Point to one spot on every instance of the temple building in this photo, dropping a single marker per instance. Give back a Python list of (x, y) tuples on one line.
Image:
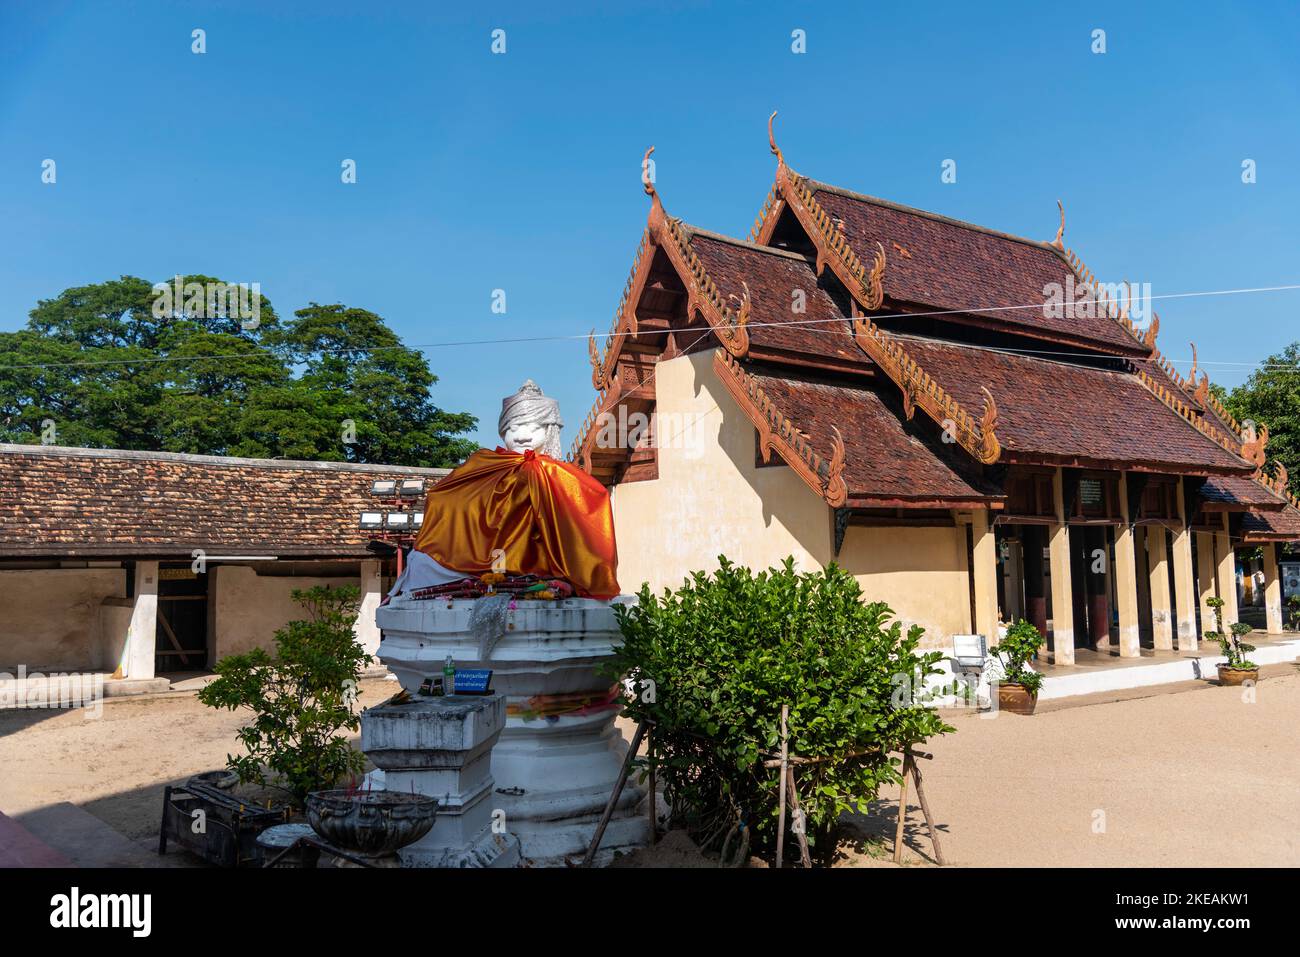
[(897, 391), (146, 565)]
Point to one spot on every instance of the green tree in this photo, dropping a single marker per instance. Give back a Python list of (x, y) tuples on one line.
[(1271, 396), (113, 365)]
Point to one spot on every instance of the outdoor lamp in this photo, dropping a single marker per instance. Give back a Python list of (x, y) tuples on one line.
[(385, 488), (399, 520), (372, 520), (419, 518), (970, 652), (412, 488)]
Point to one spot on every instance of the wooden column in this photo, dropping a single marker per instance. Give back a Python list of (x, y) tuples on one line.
[(1096, 559), (1033, 542), (1162, 611), (1227, 562), (1126, 593), (1184, 580), (1272, 590), (372, 593), (985, 575), (1062, 592), (1205, 581)]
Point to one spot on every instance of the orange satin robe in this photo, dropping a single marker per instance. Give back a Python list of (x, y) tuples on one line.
[(549, 518)]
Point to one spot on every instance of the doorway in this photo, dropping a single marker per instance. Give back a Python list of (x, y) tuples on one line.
[(181, 638)]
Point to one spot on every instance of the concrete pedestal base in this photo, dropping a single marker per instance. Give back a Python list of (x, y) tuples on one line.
[(553, 771), (442, 747)]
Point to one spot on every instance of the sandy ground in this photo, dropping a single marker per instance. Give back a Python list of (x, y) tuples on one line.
[(1193, 775)]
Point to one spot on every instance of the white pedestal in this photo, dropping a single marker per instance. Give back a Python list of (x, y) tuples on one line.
[(553, 774), (442, 747)]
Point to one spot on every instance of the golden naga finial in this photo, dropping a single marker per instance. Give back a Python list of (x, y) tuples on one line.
[(875, 286), (597, 366), (1202, 394), (1153, 330), (1059, 241), (735, 337), (1253, 444), (1191, 376), (990, 448), (771, 140), (647, 181), (1282, 478)]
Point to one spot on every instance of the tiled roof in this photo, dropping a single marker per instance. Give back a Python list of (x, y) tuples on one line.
[(944, 264), (1051, 410), (1283, 526), (1242, 493), (884, 460), (58, 501), (774, 277)]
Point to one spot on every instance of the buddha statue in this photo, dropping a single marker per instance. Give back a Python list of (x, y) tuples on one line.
[(518, 510)]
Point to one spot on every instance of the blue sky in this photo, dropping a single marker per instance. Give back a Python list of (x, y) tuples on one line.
[(521, 171)]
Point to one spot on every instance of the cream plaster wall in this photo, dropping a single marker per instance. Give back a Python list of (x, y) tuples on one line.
[(245, 609), (711, 499), (50, 618)]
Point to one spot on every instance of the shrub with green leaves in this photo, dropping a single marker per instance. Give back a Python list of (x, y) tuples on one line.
[(713, 662), (1230, 643), (300, 699), (1021, 642)]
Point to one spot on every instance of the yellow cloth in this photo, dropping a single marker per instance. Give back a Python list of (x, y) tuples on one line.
[(549, 519)]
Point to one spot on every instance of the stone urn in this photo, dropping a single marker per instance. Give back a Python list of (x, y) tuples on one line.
[(371, 824), (559, 754)]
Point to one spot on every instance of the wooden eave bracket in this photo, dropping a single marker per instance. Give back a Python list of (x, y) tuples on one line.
[(778, 433)]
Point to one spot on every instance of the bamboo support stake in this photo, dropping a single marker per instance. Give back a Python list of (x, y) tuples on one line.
[(614, 796), (654, 818), (925, 809), (802, 833), (902, 809), (785, 770)]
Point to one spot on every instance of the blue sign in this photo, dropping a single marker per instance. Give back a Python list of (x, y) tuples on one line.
[(473, 681)]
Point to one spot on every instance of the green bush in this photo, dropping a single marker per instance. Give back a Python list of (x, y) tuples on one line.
[(713, 662), (300, 698), (1016, 648)]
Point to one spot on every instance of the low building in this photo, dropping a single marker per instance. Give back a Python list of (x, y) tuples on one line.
[(139, 564), (909, 396)]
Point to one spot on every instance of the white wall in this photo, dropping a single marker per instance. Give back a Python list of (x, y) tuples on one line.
[(50, 618)]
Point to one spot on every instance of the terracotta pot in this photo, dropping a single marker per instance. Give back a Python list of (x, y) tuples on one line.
[(1014, 698), (1232, 677)]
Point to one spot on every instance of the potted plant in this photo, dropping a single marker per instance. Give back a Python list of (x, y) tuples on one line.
[(1237, 669), (1018, 688), (1293, 611)]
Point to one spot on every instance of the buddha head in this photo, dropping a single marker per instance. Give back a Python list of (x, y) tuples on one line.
[(530, 421)]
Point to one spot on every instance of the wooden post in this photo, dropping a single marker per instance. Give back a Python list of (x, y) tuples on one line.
[(654, 818), (614, 796), (802, 833), (785, 767), (1227, 559), (902, 810), (985, 575), (1205, 580), (925, 809)]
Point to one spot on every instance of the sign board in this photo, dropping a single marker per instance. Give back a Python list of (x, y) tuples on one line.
[(473, 681)]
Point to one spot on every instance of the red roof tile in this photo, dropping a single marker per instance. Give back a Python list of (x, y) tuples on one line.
[(945, 264), (74, 502), (1243, 493), (1271, 526), (1060, 411), (884, 459), (773, 277)]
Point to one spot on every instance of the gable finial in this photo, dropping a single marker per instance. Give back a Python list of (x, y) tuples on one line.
[(1059, 241), (771, 140), (1191, 376), (647, 178)]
